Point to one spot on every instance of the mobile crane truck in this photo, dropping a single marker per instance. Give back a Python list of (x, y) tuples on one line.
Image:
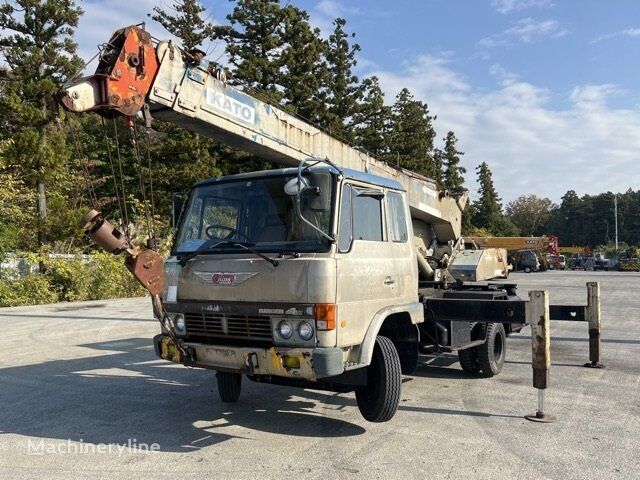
[(332, 273)]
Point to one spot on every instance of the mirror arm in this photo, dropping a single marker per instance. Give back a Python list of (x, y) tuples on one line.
[(299, 194)]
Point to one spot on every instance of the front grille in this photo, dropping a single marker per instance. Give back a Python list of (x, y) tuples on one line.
[(228, 326)]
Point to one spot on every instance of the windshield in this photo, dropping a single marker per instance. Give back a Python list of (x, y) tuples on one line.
[(255, 212)]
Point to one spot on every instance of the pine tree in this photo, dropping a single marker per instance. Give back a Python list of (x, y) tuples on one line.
[(276, 52), (38, 49), (372, 119), (183, 157), (302, 74), (343, 90), (187, 23), (453, 172), (411, 140), (255, 41), (487, 209)]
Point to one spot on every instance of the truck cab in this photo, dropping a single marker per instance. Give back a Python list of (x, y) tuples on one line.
[(291, 274)]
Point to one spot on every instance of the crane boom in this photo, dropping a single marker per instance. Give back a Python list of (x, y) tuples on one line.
[(162, 81)]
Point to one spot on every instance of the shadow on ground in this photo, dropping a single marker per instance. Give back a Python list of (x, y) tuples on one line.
[(128, 394)]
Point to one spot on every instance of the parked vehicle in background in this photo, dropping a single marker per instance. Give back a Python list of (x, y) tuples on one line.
[(527, 260), (601, 262), (557, 262)]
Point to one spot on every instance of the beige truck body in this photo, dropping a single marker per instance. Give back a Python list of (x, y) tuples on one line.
[(233, 302)]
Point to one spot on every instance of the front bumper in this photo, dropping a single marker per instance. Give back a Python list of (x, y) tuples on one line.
[(314, 363)]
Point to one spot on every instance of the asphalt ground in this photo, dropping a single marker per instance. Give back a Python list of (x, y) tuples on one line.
[(82, 395)]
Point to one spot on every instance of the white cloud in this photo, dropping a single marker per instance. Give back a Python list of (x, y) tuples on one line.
[(531, 147), (102, 18), (629, 32), (509, 6), (504, 76), (526, 30)]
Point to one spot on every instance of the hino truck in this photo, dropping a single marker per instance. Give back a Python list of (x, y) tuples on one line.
[(334, 272)]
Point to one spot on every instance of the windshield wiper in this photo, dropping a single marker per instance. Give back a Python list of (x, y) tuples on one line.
[(210, 245)]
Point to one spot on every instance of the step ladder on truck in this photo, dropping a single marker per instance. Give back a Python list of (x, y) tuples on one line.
[(334, 272)]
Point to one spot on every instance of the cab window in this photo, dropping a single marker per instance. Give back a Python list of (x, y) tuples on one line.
[(396, 217), (345, 229), (367, 214)]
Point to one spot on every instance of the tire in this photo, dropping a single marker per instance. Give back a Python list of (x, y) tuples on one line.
[(527, 269), (469, 360), (229, 386), (378, 401), (492, 353)]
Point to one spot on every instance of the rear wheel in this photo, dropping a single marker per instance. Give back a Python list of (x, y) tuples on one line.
[(527, 269), (378, 401), (229, 386), (491, 354)]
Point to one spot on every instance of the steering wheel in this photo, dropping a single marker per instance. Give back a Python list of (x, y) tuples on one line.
[(232, 232)]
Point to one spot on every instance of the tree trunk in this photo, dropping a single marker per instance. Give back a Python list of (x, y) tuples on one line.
[(42, 219)]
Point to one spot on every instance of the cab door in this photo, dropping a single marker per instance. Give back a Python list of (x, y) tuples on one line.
[(400, 233), (366, 280)]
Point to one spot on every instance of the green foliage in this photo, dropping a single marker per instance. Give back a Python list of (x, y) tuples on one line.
[(101, 276), (31, 290), (530, 213), (110, 278), (453, 172), (38, 49), (487, 211), (71, 277), (412, 136), (255, 42), (372, 119), (342, 91), (302, 74), (186, 23), (17, 215), (590, 219)]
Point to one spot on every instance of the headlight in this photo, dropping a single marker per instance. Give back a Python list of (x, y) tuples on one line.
[(284, 329), (178, 322), (305, 330)]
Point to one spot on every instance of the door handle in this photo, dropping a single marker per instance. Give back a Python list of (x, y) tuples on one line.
[(389, 281)]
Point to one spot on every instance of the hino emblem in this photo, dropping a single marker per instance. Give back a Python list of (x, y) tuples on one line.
[(225, 279)]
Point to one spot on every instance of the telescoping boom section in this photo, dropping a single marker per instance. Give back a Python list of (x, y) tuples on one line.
[(136, 74)]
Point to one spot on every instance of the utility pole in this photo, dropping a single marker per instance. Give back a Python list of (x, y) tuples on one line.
[(615, 208)]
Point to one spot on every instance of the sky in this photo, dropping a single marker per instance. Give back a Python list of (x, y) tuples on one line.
[(547, 92)]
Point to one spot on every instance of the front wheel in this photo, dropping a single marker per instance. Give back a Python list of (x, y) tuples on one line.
[(378, 401), (229, 386), (469, 360)]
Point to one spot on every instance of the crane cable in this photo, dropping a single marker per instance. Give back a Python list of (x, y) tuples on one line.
[(82, 158), (124, 212), (133, 129), (122, 205)]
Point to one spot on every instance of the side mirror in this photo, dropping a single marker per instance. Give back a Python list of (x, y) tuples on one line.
[(321, 186), (176, 207), (296, 186)]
